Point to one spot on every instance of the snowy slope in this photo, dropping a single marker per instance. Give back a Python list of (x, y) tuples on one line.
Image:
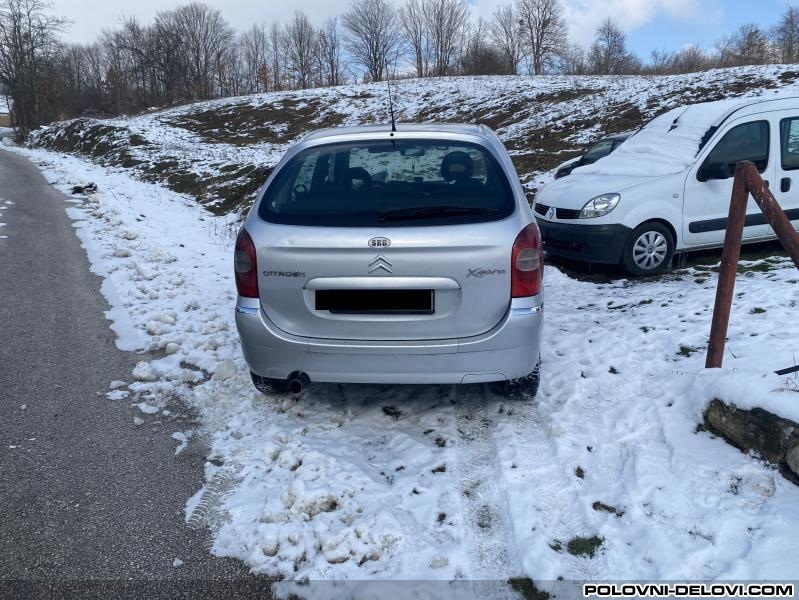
[(221, 151), (442, 482)]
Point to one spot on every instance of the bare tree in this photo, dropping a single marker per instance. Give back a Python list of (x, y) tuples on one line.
[(277, 46), (205, 36), (300, 40), (544, 28), (506, 34), (572, 60), (609, 54), (690, 60), (254, 44), (750, 45), (329, 42), (785, 36), (480, 56), (446, 22), (28, 44), (414, 27), (373, 35)]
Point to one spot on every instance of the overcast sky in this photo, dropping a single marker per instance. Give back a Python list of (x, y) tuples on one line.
[(649, 24)]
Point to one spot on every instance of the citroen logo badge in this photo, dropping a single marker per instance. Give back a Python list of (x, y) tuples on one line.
[(380, 262)]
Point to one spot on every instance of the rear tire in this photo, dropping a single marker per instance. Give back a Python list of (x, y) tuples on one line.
[(648, 250), (526, 388), (523, 388), (268, 385)]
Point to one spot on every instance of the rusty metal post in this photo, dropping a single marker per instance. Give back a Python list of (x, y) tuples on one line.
[(773, 211), (729, 268)]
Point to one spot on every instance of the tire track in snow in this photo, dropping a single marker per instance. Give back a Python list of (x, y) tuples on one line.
[(539, 489), (488, 531)]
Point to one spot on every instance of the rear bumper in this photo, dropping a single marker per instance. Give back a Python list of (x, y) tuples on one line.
[(588, 243), (508, 351)]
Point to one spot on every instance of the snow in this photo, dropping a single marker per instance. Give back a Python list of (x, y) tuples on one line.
[(182, 439), (528, 113), (667, 144), (447, 482)]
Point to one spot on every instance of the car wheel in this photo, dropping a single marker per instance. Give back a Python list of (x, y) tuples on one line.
[(523, 388), (269, 386), (648, 250)]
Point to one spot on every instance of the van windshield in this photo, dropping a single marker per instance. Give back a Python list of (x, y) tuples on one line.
[(389, 183)]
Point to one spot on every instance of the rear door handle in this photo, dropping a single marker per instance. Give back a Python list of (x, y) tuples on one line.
[(785, 184)]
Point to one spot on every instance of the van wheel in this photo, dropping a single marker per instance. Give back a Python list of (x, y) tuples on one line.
[(648, 250), (269, 386)]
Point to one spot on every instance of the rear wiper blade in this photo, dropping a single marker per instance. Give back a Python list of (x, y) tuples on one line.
[(416, 212)]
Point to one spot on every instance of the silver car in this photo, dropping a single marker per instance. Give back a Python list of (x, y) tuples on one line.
[(380, 256)]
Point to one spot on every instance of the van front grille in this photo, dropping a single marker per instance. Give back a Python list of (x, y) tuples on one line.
[(560, 213), (567, 213)]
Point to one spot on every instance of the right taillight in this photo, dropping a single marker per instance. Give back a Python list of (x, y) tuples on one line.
[(246, 266), (527, 263)]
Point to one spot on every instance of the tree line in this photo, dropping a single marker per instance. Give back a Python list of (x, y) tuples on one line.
[(192, 53)]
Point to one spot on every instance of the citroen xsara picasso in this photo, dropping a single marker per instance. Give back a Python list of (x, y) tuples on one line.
[(380, 256)]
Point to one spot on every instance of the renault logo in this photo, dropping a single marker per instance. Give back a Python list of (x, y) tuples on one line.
[(379, 242), (551, 214), (380, 262)]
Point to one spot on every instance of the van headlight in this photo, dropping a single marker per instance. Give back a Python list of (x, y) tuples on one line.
[(600, 206)]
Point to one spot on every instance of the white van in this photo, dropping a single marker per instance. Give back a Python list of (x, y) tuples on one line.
[(667, 188)]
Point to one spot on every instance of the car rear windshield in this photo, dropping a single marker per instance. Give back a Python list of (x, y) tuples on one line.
[(389, 183)]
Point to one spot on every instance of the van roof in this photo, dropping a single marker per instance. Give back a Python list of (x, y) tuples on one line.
[(670, 142)]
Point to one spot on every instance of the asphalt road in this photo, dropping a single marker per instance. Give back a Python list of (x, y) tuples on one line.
[(90, 504)]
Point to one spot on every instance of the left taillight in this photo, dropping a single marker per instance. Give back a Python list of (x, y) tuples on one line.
[(527, 263), (246, 266)]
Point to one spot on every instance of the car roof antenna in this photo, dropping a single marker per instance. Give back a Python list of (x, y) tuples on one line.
[(390, 100)]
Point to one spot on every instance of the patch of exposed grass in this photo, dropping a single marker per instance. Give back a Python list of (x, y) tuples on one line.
[(581, 546), (526, 587)]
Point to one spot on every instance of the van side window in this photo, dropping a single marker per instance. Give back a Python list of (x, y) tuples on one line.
[(789, 144), (748, 141)]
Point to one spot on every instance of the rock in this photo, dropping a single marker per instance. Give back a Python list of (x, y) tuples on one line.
[(792, 459), (138, 421), (225, 370), (772, 437)]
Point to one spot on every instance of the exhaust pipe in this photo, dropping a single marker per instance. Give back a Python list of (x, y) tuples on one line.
[(297, 382)]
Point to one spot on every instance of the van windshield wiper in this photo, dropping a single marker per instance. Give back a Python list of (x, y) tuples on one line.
[(420, 212)]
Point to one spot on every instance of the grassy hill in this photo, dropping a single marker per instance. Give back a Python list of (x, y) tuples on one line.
[(221, 151)]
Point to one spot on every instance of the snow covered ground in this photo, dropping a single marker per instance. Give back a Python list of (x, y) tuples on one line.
[(603, 476), (542, 121)]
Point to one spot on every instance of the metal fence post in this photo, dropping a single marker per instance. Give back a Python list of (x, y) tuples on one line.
[(747, 180), (728, 270)]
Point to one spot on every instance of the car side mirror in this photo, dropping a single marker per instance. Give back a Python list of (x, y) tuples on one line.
[(716, 171)]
